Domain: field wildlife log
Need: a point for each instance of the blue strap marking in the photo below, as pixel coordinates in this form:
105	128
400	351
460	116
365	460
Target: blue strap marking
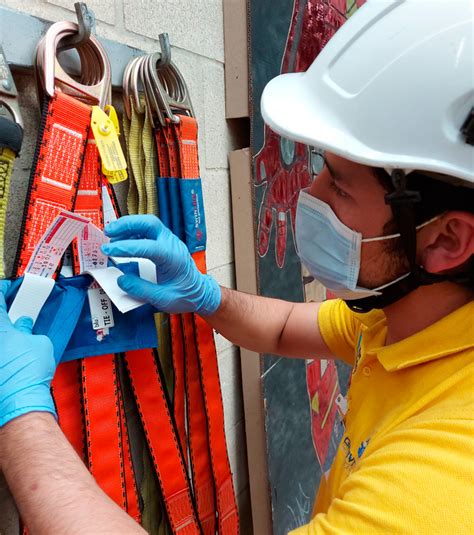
193	214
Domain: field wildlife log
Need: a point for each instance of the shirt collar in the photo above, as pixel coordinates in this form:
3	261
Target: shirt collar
451	334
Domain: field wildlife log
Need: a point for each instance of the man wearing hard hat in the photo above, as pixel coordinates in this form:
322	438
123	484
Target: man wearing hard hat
388	227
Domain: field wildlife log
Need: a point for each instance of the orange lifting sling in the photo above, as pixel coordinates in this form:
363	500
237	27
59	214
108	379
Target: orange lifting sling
66	167
67	174
194	355
197	330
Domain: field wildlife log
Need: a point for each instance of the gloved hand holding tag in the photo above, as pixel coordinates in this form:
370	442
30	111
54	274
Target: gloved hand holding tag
180	286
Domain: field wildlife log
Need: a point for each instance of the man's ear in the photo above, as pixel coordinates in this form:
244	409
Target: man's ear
447	243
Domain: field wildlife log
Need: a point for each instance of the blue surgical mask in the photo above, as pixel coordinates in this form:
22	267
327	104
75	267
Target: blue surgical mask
330	250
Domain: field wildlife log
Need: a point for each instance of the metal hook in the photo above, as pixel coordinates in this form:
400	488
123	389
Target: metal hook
52	76
85	22
165	58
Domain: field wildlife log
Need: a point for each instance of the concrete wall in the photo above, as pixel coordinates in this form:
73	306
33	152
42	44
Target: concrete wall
196	33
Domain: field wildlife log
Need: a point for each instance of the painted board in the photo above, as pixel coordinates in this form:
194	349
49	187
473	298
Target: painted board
303	399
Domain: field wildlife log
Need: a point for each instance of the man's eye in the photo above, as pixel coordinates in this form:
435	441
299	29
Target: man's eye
338	191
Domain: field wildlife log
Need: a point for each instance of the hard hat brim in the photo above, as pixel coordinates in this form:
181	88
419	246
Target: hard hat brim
291	109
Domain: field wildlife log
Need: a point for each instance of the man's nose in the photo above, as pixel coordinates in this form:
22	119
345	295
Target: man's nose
320	186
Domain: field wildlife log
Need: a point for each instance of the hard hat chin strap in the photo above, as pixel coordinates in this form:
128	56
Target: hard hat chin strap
403	202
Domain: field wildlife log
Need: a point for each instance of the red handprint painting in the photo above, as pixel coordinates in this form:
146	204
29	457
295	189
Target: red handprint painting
304	400
283	167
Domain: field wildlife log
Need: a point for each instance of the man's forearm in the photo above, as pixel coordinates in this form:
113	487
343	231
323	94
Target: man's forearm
51	486
251	321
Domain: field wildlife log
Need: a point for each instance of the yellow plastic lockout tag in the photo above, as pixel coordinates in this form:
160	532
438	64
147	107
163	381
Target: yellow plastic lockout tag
105	132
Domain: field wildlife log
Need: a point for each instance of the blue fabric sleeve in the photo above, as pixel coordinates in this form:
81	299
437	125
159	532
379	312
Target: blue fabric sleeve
66	320
193	214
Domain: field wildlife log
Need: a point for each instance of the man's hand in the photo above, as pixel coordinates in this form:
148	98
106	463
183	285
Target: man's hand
27	366
181	287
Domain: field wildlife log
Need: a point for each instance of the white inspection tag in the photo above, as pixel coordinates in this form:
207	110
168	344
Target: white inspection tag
47	254
108	207
90	255
101	309
107	279
32	295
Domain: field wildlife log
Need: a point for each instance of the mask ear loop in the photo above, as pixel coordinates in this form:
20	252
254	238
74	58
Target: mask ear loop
393	236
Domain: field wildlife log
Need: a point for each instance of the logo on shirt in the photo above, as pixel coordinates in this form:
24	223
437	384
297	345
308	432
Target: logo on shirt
361	449
350	459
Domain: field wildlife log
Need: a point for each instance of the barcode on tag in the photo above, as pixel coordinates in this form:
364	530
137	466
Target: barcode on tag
101	309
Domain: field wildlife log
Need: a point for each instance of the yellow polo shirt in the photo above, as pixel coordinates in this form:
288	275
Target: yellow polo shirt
406	461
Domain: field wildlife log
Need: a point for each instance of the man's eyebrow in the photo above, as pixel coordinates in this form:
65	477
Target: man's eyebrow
333	172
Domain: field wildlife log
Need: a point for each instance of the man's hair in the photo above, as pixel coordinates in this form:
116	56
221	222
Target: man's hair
438	195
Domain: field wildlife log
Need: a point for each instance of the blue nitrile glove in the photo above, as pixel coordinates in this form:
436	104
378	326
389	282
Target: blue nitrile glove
27	366
180	286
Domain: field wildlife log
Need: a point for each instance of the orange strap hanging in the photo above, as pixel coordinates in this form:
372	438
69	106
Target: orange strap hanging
185	364
198	438
66	167
56	169
168	167
147	384
105	428
228	521
54	180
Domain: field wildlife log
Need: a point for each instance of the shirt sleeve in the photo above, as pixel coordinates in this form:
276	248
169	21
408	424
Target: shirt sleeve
417	479
339	328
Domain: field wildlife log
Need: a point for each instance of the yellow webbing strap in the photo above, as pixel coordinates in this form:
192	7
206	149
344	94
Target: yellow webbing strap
137	159
132	196
142	199
151	166
7	157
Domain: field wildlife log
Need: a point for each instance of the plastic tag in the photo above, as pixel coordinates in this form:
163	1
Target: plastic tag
114	164
101	309
110	110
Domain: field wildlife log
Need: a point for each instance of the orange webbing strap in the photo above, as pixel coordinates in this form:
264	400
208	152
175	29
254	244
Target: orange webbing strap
104	436
187	378
57	173
147	384
228	520
177	348
53	186
56	170
131	491
67	394
66	386
133	502
105	427
168	167
203	482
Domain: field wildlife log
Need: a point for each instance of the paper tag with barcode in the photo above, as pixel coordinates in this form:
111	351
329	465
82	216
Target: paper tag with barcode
90	254
101	309
50	248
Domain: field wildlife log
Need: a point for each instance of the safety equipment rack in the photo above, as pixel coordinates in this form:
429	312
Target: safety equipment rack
20	33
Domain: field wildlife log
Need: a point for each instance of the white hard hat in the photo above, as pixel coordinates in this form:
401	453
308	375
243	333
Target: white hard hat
391	89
